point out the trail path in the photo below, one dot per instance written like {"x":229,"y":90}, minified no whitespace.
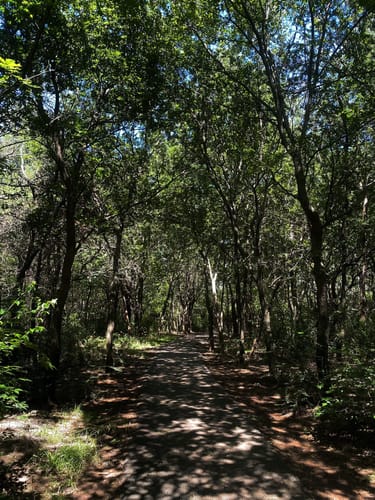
{"x":193,"y":441}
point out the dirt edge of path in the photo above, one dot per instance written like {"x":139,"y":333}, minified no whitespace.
{"x":342,"y":471}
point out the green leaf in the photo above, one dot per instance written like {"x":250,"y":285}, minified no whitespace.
{"x":9,"y":65}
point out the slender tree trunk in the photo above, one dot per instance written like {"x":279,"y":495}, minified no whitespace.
{"x":322,"y":358}
{"x":217,"y":312}
{"x":294,"y":302}
{"x":113,"y":297}
{"x":87,"y":306}
{"x":320,"y":277}
{"x":265,"y":326}
{"x":234,"y":315}
{"x":127,"y":306}
{"x":363,"y":276}
{"x":265,"y":319}
{"x":163,"y":313}
{"x":125,"y":310}
{"x":210,"y":312}
{"x":31,"y":253}
{"x":55,"y":333}
{"x":240,"y":286}
{"x":337,"y":327}
{"x":138,"y":313}
{"x":216,"y":308}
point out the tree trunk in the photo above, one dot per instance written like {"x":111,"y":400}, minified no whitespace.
{"x":321,"y":281}
{"x":127,"y":306}
{"x":363,"y":275}
{"x":322,"y":357}
{"x":294,"y":303}
{"x":163,"y":314}
{"x":113,"y":297}
{"x":55,"y":332}
{"x":138,"y":313}
{"x":32,"y":252}
{"x":210,"y":312}
{"x":265,"y":318}
{"x":216,"y":309}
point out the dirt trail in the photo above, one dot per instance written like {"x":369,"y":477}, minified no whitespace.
{"x":193,"y":441}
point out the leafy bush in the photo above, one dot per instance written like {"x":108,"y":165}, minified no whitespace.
{"x":301,"y":389}
{"x":349,"y":405}
{"x":18,"y":323}
{"x":93,"y":350}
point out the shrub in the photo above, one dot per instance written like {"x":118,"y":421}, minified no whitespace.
{"x":301,"y":389}
{"x":18,"y":323}
{"x":349,"y":405}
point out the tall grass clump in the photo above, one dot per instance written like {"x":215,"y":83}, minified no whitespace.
{"x":68,"y":461}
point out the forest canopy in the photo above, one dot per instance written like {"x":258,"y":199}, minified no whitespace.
{"x":175,"y":166}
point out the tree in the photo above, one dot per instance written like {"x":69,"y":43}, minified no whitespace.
{"x":292,"y":49}
{"x":93,"y":75}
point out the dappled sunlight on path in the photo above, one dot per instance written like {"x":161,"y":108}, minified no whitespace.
{"x":194,"y":441}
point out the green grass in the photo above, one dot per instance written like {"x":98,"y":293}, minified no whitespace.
{"x":22,"y":416}
{"x":68,"y":461}
{"x":124,"y":345}
{"x":135,"y":344}
{"x":51,"y":435}
{"x":65,"y":450}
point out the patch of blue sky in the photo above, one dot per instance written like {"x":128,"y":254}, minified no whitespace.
{"x":133,"y":132}
{"x":165,"y":9}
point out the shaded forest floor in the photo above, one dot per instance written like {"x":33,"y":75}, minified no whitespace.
{"x":342,"y":471}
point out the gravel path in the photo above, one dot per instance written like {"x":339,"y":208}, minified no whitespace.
{"x":195,"y":442}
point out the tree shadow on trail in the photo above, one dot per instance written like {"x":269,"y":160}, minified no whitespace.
{"x":193,"y":440}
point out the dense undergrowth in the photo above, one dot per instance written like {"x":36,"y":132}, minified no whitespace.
{"x":343,"y":404}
